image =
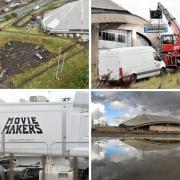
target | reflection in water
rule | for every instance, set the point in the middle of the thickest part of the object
(113, 150)
(114, 159)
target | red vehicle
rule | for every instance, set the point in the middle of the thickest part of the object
(170, 47)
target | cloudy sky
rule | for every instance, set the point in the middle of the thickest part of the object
(141, 7)
(117, 107)
(52, 95)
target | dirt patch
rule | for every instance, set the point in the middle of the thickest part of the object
(17, 57)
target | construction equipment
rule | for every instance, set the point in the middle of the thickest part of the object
(170, 43)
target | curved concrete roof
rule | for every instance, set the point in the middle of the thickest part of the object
(147, 119)
(118, 18)
(68, 18)
(106, 5)
(106, 11)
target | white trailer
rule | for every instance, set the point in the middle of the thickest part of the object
(129, 63)
(44, 129)
(44, 134)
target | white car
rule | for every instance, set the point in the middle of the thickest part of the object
(2, 19)
(36, 8)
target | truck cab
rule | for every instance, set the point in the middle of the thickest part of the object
(170, 49)
(168, 41)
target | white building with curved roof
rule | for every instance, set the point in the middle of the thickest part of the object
(150, 122)
(113, 26)
(70, 18)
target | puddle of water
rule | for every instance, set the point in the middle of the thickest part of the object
(115, 159)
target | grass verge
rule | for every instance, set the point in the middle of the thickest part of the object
(169, 81)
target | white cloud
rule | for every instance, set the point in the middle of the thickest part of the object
(120, 119)
(118, 105)
(141, 7)
(97, 110)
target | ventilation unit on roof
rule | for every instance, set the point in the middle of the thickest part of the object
(38, 99)
(23, 100)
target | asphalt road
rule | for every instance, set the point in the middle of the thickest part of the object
(26, 9)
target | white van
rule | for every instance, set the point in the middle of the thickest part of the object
(131, 62)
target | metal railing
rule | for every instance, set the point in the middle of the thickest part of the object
(51, 154)
(11, 170)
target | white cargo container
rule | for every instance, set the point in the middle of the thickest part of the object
(131, 62)
(44, 128)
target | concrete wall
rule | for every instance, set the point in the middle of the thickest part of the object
(140, 41)
(131, 39)
(164, 128)
(110, 129)
(103, 44)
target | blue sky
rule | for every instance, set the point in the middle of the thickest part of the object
(116, 107)
(114, 113)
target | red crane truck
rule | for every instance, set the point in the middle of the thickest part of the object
(170, 43)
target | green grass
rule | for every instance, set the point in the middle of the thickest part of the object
(25, 20)
(20, 78)
(94, 76)
(5, 23)
(74, 75)
(82, 78)
(25, 29)
(48, 42)
(169, 81)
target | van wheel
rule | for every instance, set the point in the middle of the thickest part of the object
(133, 78)
(163, 71)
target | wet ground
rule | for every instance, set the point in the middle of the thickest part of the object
(17, 57)
(134, 159)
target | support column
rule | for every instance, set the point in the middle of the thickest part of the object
(94, 44)
(133, 38)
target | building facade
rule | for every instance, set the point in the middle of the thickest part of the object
(119, 38)
(152, 123)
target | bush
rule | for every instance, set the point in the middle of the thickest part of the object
(82, 79)
(14, 15)
(7, 17)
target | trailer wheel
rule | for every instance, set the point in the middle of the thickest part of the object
(133, 78)
(163, 71)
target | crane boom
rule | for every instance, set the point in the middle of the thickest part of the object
(171, 20)
(169, 43)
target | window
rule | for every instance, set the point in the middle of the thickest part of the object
(121, 38)
(108, 36)
(111, 37)
(167, 39)
(156, 57)
(104, 36)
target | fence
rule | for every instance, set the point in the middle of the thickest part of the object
(46, 166)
